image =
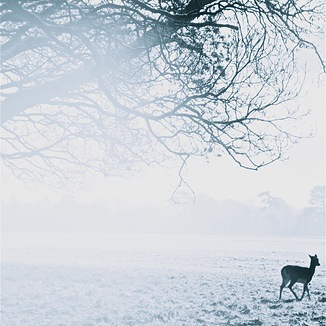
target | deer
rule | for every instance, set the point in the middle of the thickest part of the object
(297, 274)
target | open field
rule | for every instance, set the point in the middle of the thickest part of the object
(121, 280)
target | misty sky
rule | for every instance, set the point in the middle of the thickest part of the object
(221, 178)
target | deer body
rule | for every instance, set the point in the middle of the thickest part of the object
(297, 274)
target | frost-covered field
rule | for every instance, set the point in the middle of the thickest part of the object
(155, 280)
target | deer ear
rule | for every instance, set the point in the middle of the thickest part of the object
(310, 256)
(315, 255)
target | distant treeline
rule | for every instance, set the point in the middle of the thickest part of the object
(269, 216)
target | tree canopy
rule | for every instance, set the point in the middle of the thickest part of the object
(105, 85)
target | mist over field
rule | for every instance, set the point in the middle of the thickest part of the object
(267, 216)
(206, 263)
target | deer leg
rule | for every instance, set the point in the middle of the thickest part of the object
(305, 288)
(303, 291)
(281, 288)
(285, 281)
(308, 292)
(290, 287)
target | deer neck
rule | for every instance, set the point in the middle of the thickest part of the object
(312, 268)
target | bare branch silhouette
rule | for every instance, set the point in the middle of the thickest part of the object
(105, 85)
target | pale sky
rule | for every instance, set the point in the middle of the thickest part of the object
(221, 178)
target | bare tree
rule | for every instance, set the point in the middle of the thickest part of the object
(318, 198)
(104, 85)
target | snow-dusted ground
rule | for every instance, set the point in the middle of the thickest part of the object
(155, 280)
